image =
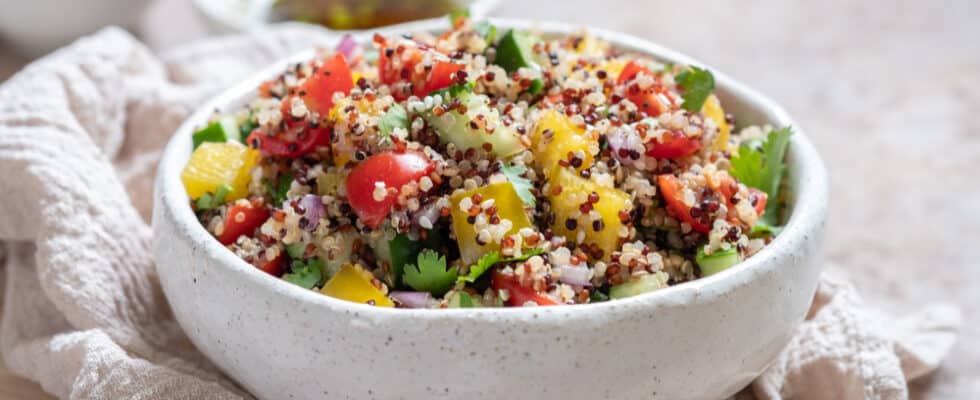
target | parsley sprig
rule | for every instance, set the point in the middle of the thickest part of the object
(308, 274)
(429, 273)
(697, 84)
(493, 258)
(522, 185)
(762, 167)
(395, 117)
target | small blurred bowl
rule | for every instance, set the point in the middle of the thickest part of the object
(234, 16)
(36, 27)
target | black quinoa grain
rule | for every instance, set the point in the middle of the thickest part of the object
(571, 224)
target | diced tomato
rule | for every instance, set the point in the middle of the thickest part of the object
(305, 140)
(331, 77)
(242, 219)
(408, 56)
(674, 145)
(673, 194)
(392, 169)
(440, 77)
(272, 267)
(653, 100)
(759, 198)
(729, 186)
(518, 295)
(630, 71)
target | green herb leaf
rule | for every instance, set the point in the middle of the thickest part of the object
(246, 128)
(454, 90)
(306, 274)
(486, 30)
(394, 118)
(278, 192)
(763, 168)
(465, 301)
(521, 184)
(430, 274)
(490, 259)
(698, 84)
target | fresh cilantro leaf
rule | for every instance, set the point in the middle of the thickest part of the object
(698, 84)
(279, 190)
(455, 15)
(454, 90)
(521, 184)
(394, 118)
(465, 301)
(763, 168)
(489, 260)
(306, 274)
(430, 274)
(486, 30)
(246, 128)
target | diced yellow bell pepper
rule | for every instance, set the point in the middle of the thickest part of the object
(565, 138)
(590, 46)
(214, 163)
(712, 109)
(613, 68)
(570, 221)
(353, 283)
(509, 207)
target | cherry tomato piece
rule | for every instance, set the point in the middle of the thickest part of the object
(674, 145)
(274, 267)
(307, 140)
(441, 77)
(392, 169)
(518, 295)
(242, 219)
(673, 194)
(331, 77)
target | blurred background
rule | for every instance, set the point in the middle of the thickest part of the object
(887, 89)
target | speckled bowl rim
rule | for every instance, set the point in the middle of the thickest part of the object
(808, 210)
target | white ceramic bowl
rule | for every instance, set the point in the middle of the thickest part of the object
(700, 340)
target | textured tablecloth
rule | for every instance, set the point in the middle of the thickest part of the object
(62, 329)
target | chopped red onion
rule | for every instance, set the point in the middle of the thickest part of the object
(628, 140)
(347, 47)
(313, 206)
(410, 299)
(576, 275)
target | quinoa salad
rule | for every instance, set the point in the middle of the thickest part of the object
(486, 168)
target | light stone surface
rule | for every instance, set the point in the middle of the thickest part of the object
(885, 88)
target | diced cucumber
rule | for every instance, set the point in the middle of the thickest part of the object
(645, 283)
(717, 261)
(462, 300)
(515, 51)
(454, 127)
(218, 131)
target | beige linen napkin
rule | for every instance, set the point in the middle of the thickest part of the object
(80, 135)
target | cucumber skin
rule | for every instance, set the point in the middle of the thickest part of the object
(454, 127)
(513, 52)
(717, 262)
(646, 283)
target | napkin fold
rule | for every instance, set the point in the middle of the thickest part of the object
(81, 132)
